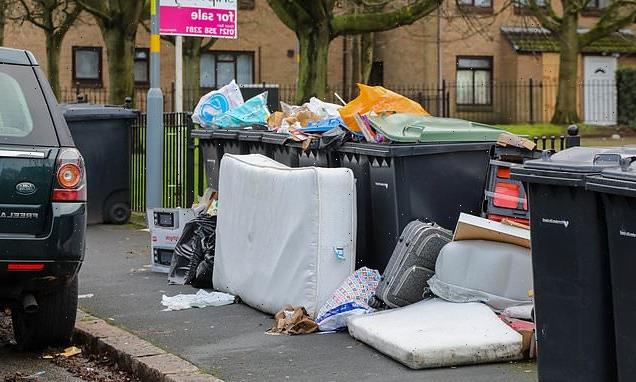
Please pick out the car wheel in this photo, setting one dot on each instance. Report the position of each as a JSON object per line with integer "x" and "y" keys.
{"x": 118, "y": 213}
{"x": 52, "y": 324}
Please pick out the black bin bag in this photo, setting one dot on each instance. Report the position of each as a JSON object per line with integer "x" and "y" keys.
{"x": 193, "y": 258}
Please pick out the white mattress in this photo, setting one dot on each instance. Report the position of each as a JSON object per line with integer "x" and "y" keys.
{"x": 437, "y": 333}
{"x": 498, "y": 274}
{"x": 278, "y": 232}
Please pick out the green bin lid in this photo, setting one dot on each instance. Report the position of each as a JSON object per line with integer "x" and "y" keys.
{"x": 413, "y": 128}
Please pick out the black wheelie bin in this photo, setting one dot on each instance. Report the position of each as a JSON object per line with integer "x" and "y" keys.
{"x": 572, "y": 289}
{"x": 617, "y": 188}
{"x": 102, "y": 134}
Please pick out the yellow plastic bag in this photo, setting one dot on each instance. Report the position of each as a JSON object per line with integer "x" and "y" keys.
{"x": 377, "y": 99}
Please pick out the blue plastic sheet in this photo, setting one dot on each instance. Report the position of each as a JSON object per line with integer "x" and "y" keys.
{"x": 253, "y": 112}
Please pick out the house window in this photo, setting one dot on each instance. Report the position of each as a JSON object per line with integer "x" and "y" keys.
{"x": 219, "y": 68}
{"x": 87, "y": 65}
{"x": 597, "y": 5}
{"x": 246, "y": 4}
{"x": 521, "y": 7}
{"x": 475, "y": 3}
{"x": 474, "y": 80}
{"x": 142, "y": 66}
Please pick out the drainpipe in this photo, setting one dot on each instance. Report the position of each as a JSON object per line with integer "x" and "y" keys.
{"x": 440, "y": 105}
{"x": 344, "y": 66}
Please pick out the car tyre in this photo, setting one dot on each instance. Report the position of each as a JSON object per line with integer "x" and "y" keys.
{"x": 53, "y": 323}
{"x": 118, "y": 213}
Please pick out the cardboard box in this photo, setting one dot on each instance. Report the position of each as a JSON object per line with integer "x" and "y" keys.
{"x": 471, "y": 227}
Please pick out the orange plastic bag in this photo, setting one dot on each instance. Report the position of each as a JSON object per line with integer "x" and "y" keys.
{"x": 377, "y": 99}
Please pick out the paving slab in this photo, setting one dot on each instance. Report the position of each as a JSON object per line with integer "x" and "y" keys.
{"x": 230, "y": 341}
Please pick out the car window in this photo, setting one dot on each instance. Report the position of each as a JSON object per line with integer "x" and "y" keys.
{"x": 24, "y": 115}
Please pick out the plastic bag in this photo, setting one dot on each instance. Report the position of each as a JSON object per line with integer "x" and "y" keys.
{"x": 377, "y": 99}
{"x": 323, "y": 109}
{"x": 350, "y": 298}
{"x": 193, "y": 258}
{"x": 201, "y": 299}
{"x": 217, "y": 102}
{"x": 253, "y": 112}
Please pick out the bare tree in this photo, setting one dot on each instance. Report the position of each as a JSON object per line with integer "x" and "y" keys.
{"x": 118, "y": 21}
{"x": 4, "y": 4}
{"x": 316, "y": 25}
{"x": 55, "y": 18}
{"x": 362, "y": 49}
{"x": 564, "y": 26}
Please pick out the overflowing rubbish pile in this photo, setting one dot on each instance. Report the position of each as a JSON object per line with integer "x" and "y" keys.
{"x": 377, "y": 115}
{"x": 410, "y": 254}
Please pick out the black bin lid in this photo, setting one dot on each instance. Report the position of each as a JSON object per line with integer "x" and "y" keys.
{"x": 619, "y": 180}
{"x": 91, "y": 112}
{"x": 570, "y": 167}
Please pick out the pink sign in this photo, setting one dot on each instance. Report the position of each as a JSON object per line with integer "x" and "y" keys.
{"x": 200, "y": 18}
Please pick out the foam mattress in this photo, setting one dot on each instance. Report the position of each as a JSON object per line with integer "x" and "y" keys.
{"x": 437, "y": 333}
{"x": 284, "y": 235}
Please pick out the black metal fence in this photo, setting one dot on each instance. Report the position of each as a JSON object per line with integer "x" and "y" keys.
{"x": 496, "y": 102}
{"x": 182, "y": 176}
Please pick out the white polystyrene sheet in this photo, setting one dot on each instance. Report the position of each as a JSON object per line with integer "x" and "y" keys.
{"x": 437, "y": 333}
{"x": 279, "y": 230}
{"x": 498, "y": 274}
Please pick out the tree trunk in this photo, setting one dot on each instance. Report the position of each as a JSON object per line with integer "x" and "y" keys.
{"x": 191, "y": 71}
{"x": 366, "y": 56}
{"x": 566, "y": 105}
{"x": 120, "y": 48}
{"x": 3, "y": 19}
{"x": 312, "y": 69}
{"x": 53, "y": 62}
{"x": 355, "y": 65}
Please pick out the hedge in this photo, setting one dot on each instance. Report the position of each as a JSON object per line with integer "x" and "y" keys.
{"x": 626, "y": 81}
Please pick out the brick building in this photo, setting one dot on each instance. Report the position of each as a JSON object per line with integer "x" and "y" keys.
{"x": 498, "y": 67}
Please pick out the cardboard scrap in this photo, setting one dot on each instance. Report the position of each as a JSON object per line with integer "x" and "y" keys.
{"x": 507, "y": 139}
{"x": 70, "y": 352}
{"x": 293, "y": 320}
{"x": 527, "y": 331}
{"x": 514, "y": 224}
{"x": 471, "y": 227}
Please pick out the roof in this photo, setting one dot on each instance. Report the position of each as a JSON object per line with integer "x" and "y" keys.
{"x": 529, "y": 40}
{"x": 17, "y": 57}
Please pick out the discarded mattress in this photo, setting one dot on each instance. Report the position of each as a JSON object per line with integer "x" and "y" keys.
{"x": 498, "y": 274}
{"x": 284, "y": 235}
{"x": 437, "y": 333}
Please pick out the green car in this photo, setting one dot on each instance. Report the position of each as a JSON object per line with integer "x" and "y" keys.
{"x": 42, "y": 206}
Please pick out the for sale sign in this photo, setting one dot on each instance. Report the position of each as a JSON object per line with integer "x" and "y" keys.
{"x": 199, "y": 18}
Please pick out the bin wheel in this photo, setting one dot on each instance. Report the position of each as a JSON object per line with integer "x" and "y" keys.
{"x": 118, "y": 213}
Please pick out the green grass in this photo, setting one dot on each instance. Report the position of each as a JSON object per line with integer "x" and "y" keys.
{"x": 548, "y": 129}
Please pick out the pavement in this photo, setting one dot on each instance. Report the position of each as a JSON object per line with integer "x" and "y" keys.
{"x": 230, "y": 341}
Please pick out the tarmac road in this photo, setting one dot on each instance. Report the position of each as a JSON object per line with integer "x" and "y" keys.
{"x": 13, "y": 362}
{"x": 229, "y": 341}
{"x": 28, "y": 364}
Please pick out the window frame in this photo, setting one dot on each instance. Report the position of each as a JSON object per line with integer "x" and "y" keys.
{"x": 99, "y": 81}
{"x": 595, "y": 11}
{"x": 472, "y": 8}
{"x": 243, "y": 5}
{"x": 491, "y": 69}
{"x": 235, "y": 54}
{"x": 147, "y": 60}
{"x": 523, "y": 9}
